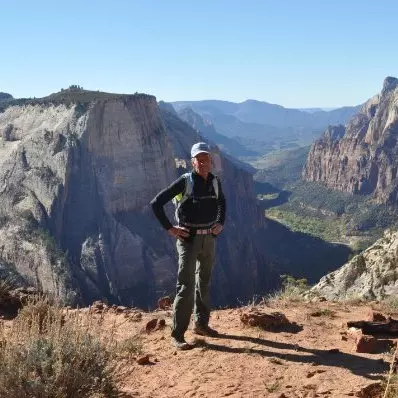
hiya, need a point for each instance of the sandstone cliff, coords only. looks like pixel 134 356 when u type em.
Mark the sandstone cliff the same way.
pixel 369 275
pixel 76 178
pixel 361 157
pixel 67 172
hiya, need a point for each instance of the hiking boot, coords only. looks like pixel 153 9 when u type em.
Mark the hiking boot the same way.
pixel 205 330
pixel 181 344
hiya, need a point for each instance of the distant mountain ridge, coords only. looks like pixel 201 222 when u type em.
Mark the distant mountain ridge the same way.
pixel 5 97
pixel 262 127
pixel 207 129
pixel 252 111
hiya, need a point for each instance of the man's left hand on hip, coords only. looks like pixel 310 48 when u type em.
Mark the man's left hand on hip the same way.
pixel 216 228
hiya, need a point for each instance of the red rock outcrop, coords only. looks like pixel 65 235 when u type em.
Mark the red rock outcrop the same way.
pixel 361 157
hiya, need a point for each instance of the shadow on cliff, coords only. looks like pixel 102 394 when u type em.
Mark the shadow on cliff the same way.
pixel 299 254
pixel 265 188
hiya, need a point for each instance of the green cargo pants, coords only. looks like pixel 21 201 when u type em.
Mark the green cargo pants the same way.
pixel 195 262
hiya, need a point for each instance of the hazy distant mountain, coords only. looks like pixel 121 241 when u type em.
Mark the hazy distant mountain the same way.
pixel 271 115
pixel 312 110
pixel 228 124
pixel 262 127
pixel 207 129
pixel 5 96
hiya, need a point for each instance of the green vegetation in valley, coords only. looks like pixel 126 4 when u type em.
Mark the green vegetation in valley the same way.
pixel 330 231
pixel 352 220
pixel 281 168
pixel 312 208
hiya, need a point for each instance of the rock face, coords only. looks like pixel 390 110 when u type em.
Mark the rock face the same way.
pixel 76 179
pixel 370 275
pixel 361 157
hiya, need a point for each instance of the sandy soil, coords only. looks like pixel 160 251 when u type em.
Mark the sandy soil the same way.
pixel 249 362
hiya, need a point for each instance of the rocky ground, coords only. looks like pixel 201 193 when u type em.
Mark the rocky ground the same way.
pixel 306 351
pixel 315 356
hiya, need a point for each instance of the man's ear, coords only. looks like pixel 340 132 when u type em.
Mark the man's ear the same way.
pixel 192 161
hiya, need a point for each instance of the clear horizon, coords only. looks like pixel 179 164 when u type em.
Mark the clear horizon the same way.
pixel 304 54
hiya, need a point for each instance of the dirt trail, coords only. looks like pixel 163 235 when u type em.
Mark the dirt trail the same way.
pixel 250 362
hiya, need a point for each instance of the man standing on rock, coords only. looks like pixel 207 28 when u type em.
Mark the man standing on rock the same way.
pixel 200 215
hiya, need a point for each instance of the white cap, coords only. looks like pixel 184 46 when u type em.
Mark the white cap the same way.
pixel 199 147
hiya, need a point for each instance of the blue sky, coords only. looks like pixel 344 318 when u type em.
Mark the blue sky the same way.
pixel 293 53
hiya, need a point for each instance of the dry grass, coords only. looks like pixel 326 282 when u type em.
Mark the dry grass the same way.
pixel 391 382
pixel 389 305
pixel 49 353
pixel 353 300
pixel 391 389
pixel 293 290
pixel 129 347
pixel 324 312
pixel 40 310
pixel 272 387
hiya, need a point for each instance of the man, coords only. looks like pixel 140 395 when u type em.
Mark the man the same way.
pixel 200 215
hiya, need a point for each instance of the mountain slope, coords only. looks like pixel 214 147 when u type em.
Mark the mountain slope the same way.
pixel 362 158
pixel 369 275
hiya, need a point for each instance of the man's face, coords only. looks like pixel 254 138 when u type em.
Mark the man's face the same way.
pixel 202 163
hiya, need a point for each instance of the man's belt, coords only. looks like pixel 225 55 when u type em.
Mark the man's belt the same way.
pixel 207 231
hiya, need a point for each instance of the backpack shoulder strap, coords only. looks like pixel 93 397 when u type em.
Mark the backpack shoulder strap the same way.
pixel 183 196
pixel 188 185
pixel 215 186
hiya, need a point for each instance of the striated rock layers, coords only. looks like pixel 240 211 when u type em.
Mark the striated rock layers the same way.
pixel 361 157
pixel 372 274
pixel 76 178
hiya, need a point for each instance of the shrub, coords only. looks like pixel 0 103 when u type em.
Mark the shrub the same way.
pixel 130 346
pixel 389 304
pixel 292 285
pixel 292 289
pixel 52 354
pixel 6 285
pixel 324 312
pixel 39 311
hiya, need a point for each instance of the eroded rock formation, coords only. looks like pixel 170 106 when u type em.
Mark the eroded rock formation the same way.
pixel 361 157
pixel 371 274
